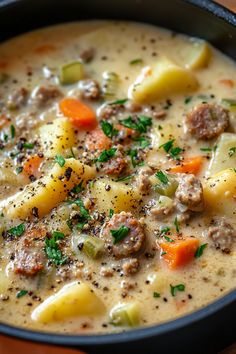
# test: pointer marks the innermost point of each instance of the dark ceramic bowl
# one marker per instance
(210, 328)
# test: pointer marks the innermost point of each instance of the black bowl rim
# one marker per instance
(146, 332)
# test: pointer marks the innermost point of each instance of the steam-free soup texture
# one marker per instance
(117, 179)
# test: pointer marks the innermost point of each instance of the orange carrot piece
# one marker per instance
(188, 165)
(180, 252)
(81, 115)
(227, 82)
(32, 164)
(96, 140)
(45, 48)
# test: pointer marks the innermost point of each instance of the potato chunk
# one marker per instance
(225, 154)
(161, 81)
(220, 192)
(45, 193)
(56, 137)
(114, 195)
(198, 55)
(74, 299)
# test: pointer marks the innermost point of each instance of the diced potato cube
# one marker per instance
(56, 137)
(47, 192)
(225, 154)
(161, 81)
(74, 299)
(118, 197)
(198, 56)
(220, 192)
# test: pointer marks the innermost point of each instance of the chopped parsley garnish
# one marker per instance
(111, 213)
(160, 127)
(21, 293)
(124, 178)
(5, 138)
(231, 151)
(69, 224)
(164, 230)
(52, 249)
(143, 142)
(19, 169)
(176, 224)
(136, 61)
(106, 155)
(60, 160)
(108, 129)
(72, 154)
(83, 211)
(28, 145)
(200, 250)
(121, 101)
(13, 131)
(80, 225)
(17, 230)
(163, 253)
(78, 188)
(155, 294)
(169, 148)
(120, 234)
(133, 153)
(188, 99)
(140, 124)
(168, 239)
(175, 288)
(162, 176)
(206, 149)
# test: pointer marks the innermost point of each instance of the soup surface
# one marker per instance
(117, 179)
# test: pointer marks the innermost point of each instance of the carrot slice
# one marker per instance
(32, 164)
(227, 82)
(96, 140)
(188, 165)
(80, 115)
(180, 252)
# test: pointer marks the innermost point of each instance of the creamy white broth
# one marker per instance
(34, 60)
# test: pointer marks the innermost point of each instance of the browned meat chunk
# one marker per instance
(222, 234)
(128, 245)
(90, 89)
(110, 110)
(87, 55)
(18, 98)
(190, 192)
(131, 266)
(44, 95)
(143, 181)
(207, 121)
(30, 257)
(117, 164)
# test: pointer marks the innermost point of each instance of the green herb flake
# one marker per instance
(28, 146)
(188, 99)
(175, 288)
(83, 211)
(108, 129)
(143, 142)
(199, 251)
(69, 224)
(60, 160)
(111, 213)
(121, 101)
(124, 178)
(13, 131)
(231, 151)
(168, 145)
(19, 169)
(162, 176)
(163, 253)
(133, 153)
(120, 234)
(156, 295)
(140, 124)
(21, 293)
(78, 188)
(168, 239)
(52, 249)
(136, 61)
(177, 228)
(164, 230)
(174, 152)
(106, 155)
(17, 230)
(206, 149)
(160, 127)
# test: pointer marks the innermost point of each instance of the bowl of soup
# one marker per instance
(118, 175)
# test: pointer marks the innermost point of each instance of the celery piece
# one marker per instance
(126, 315)
(110, 83)
(71, 73)
(89, 245)
(168, 189)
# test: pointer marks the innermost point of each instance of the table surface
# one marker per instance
(9, 346)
